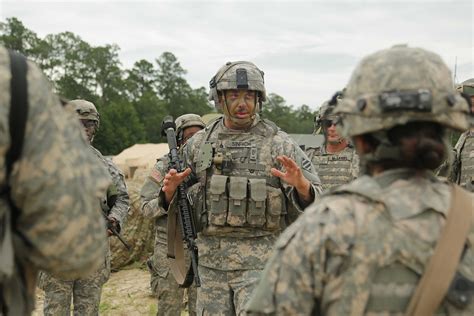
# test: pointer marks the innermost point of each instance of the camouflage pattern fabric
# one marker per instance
(373, 240)
(56, 184)
(163, 284)
(334, 168)
(86, 292)
(223, 249)
(226, 292)
(120, 209)
(462, 171)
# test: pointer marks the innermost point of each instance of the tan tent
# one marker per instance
(139, 156)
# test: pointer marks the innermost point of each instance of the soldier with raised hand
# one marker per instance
(163, 284)
(462, 171)
(335, 160)
(49, 212)
(85, 292)
(364, 247)
(251, 181)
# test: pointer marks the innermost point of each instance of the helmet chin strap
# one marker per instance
(237, 121)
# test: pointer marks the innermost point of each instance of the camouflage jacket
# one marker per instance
(362, 250)
(56, 183)
(224, 247)
(120, 209)
(462, 171)
(151, 198)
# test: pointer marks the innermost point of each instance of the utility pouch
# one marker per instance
(218, 200)
(237, 201)
(257, 202)
(275, 207)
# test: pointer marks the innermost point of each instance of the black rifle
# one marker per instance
(188, 231)
(111, 199)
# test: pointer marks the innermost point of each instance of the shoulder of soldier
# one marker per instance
(336, 217)
(313, 151)
(461, 141)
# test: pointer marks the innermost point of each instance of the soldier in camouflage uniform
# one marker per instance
(336, 160)
(54, 184)
(163, 284)
(85, 292)
(362, 248)
(462, 171)
(252, 180)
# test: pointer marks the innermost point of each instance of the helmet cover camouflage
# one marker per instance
(86, 110)
(188, 120)
(237, 75)
(467, 87)
(399, 85)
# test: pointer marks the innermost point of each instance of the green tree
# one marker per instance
(120, 128)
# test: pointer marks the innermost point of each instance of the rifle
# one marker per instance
(188, 230)
(109, 203)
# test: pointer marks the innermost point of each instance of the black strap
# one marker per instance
(17, 121)
(18, 108)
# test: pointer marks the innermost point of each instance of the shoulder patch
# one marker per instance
(306, 164)
(156, 176)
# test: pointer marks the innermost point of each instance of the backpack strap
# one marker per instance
(18, 108)
(441, 267)
(17, 121)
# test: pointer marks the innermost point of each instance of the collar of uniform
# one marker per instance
(407, 192)
(255, 122)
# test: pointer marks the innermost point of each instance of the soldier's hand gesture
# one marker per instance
(171, 182)
(294, 177)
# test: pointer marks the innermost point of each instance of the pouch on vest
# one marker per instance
(237, 201)
(275, 207)
(258, 196)
(219, 200)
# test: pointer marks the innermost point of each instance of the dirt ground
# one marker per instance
(127, 293)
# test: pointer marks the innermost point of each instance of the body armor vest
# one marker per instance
(334, 169)
(242, 197)
(466, 177)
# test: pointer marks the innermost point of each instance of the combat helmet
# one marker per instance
(467, 87)
(237, 75)
(187, 120)
(399, 85)
(86, 110)
(326, 112)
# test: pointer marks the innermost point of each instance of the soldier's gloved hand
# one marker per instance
(112, 223)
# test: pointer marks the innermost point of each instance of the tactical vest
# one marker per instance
(386, 264)
(466, 178)
(333, 169)
(241, 195)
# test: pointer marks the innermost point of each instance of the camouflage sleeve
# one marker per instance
(355, 166)
(57, 184)
(284, 145)
(305, 260)
(152, 198)
(120, 209)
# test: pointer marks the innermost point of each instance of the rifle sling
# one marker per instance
(183, 275)
(441, 267)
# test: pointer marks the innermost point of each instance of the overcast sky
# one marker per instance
(306, 49)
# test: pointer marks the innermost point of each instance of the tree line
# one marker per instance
(131, 102)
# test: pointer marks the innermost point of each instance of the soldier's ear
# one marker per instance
(361, 144)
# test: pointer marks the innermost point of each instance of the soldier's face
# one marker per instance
(240, 103)
(89, 128)
(332, 136)
(189, 132)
